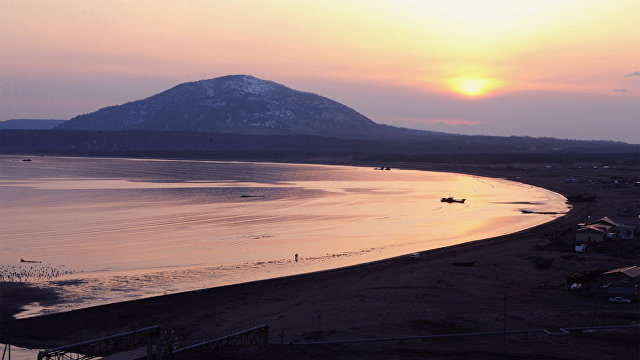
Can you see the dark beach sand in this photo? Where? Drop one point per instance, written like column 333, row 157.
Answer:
column 397, row 297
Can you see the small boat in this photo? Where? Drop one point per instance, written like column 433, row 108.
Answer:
column 452, row 200
column 540, row 212
column 29, row 261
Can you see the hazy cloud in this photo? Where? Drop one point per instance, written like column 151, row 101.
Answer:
column 635, row 73
column 429, row 123
column 620, row 90
column 564, row 115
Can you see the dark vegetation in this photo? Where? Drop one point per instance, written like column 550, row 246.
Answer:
column 442, row 148
column 30, row 124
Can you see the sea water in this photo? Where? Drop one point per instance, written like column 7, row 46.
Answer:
column 103, row 230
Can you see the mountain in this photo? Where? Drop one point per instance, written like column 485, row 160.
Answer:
column 30, row 124
column 240, row 104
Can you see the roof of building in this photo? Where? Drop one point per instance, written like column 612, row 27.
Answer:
column 591, row 229
column 630, row 271
column 605, row 221
column 626, row 220
column 615, row 220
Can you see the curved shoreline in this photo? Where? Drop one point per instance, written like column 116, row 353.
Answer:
column 448, row 250
column 48, row 294
column 297, row 302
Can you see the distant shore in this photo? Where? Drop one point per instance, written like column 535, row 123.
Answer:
column 393, row 297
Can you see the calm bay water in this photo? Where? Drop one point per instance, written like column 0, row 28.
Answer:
column 104, row 230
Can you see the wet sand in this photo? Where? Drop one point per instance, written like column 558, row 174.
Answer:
column 401, row 296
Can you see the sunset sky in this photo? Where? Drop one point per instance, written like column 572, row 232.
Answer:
column 567, row 69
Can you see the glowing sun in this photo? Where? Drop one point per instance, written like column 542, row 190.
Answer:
column 472, row 86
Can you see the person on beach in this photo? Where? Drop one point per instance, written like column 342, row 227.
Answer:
column 296, row 257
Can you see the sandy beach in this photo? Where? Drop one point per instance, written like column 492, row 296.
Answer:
column 397, row 297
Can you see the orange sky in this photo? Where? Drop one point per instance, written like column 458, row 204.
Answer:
column 462, row 50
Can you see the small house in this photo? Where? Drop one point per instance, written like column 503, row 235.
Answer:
column 605, row 232
column 629, row 274
column 590, row 234
column 621, row 282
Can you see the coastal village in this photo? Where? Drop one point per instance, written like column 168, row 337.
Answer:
column 613, row 234
column 617, row 235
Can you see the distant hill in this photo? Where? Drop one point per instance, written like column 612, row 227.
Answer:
column 30, row 124
column 239, row 104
